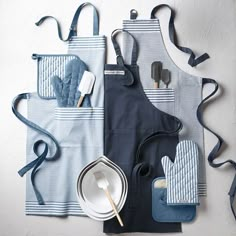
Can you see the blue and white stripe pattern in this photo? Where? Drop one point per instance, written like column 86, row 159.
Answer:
column 49, row 66
column 182, row 175
column 160, row 95
column 141, row 25
column 54, row 208
column 94, row 42
column 92, row 50
column 82, row 113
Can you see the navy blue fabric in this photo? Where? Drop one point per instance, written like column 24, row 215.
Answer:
column 41, row 157
column 161, row 212
column 137, row 135
column 73, row 27
column 193, row 61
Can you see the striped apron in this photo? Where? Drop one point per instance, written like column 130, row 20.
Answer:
column 75, row 135
column 184, row 92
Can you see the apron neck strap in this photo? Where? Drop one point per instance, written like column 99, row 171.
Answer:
column 193, row 61
column 76, row 18
column 119, row 57
column 73, row 27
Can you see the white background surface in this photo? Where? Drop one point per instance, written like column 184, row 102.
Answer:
column 208, row 25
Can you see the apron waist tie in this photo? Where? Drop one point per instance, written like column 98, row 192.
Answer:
column 144, row 169
column 216, row 149
column 41, row 157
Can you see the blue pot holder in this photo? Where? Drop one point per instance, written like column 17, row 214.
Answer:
column 161, row 212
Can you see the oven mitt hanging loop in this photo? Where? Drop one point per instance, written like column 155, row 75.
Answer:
column 182, row 174
column 66, row 90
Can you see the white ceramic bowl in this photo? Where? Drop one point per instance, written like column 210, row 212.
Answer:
column 92, row 199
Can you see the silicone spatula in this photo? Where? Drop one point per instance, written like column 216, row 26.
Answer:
column 165, row 77
column 156, row 73
column 85, row 86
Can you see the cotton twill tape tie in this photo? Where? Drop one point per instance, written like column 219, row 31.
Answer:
column 193, row 61
column 41, row 157
column 216, row 149
column 73, row 27
column 144, row 169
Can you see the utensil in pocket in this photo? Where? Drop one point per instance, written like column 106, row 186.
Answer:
column 86, row 85
column 156, row 73
column 165, row 77
column 103, row 183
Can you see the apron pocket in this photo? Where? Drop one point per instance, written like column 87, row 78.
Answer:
column 78, row 127
column 161, row 212
column 162, row 98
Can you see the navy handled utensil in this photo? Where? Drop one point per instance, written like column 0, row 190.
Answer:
column 156, row 73
column 165, row 77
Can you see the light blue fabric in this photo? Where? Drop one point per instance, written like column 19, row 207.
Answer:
column 182, row 175
column 66, row 90
column 49, row 65
column 161, row 212
column 92, row 51
column 79, row 133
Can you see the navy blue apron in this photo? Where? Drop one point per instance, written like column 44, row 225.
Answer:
column 137, row 136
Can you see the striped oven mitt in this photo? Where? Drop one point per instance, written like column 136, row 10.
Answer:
column 182, row 175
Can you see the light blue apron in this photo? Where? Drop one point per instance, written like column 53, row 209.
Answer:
column 72, row 136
